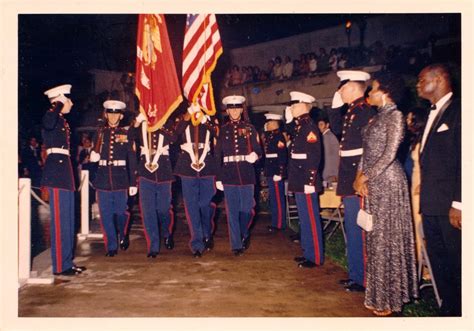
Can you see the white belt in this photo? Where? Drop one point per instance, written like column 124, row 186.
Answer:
column 235, row 158
column 299, row 156
column 271, row 155
column 116, row 163
column 56, row 150
column 351, row 152
column 200, row 145
column 165, row 152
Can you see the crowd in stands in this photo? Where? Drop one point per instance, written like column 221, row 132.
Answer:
column 394, row 58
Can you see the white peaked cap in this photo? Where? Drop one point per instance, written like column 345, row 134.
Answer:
column 353, row 75
column 114, row 104
column 272, row 116
column 301, row 97
column 233, row 100
column 58, row 90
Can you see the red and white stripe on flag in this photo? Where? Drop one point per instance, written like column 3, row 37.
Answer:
column 201, row 50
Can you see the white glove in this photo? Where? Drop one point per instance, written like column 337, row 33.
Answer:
column 308, row 189
column 276, row 178
column 251, row 158
column 132, row 190
column 219, row 185
column 337, row 101
column 193, row 108
column 95, row 157
column 288, row 115
column 140, row 118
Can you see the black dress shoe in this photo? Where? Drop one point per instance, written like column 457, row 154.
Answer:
column 271, row 228
column 238, row 252
column 354, row 287
column 307, row 264
column 124, row 243
column 209, row 244
column 111, row 253
column 246, row 243
column 152, row 254
column 197, row 254
column 169, row 243
column 68, row 272
column 299, row 259
column 346, row 282
column 79, row 268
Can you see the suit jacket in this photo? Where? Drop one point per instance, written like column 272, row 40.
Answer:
column 440, row 162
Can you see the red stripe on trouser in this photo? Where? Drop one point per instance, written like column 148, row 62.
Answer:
column 228, row 221
column 170, row 228
column 190, row 225
column 277, row 193
column 125, row 231
column 213, row 224
column 57, row 234
column 313, row 229
column 143, row 220
column 101, row 219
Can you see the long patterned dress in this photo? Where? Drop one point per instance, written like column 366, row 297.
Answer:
column 391, row 260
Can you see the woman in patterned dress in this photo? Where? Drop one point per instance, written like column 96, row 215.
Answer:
column 391, row 261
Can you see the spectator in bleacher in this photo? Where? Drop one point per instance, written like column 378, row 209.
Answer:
column 262, row 75
column 296, row 68
column 244, row 75
column 312, row 63
column 287, row 68
column 228, row 78
column 333, row 59
column 304, row 67
column 278, row 69
column 255, row 74
column 236, row 76
column 342, row 63
column 323, row 60
column 269, row 71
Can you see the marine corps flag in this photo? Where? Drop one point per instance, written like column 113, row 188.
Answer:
column 157, row 85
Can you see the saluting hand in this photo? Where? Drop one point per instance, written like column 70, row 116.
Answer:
column 455, row 218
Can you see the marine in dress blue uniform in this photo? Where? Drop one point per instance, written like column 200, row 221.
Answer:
column 238, row 146
column 304, row 178
column 351, row 91
column 276, row 156
column 196, row 166
column 115, row 178
column 58, row 178
column 155, row 177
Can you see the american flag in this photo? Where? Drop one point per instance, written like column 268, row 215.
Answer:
column 202, row 47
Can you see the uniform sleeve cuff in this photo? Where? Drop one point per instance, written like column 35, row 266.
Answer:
column 457, row 205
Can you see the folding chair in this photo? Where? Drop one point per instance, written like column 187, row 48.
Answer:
column 292, row 218
column 332, row 212
column 424, row 261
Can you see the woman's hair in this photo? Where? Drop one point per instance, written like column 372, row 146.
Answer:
column 393, row 84
column 418, row 121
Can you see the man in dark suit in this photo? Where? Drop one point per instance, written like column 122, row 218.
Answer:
column 440, row 196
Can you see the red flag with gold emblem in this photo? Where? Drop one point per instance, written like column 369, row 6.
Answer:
column 157, row 86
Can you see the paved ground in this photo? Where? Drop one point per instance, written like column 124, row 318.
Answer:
column 264, row 282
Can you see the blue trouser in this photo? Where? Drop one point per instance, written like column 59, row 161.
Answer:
column 61, row 203
column 239, row 202
column 156, row 210
column 355, row 240
column 311, row 231
column 197, row 196
column 277, row 202
column 113, row 204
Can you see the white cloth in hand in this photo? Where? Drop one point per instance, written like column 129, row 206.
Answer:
column 276, row 178
column 132, row 190
column 252, row 157
column 308, row 189
column 337, row 101
column 288, row 115
column 219, row 185
column 95, row 157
